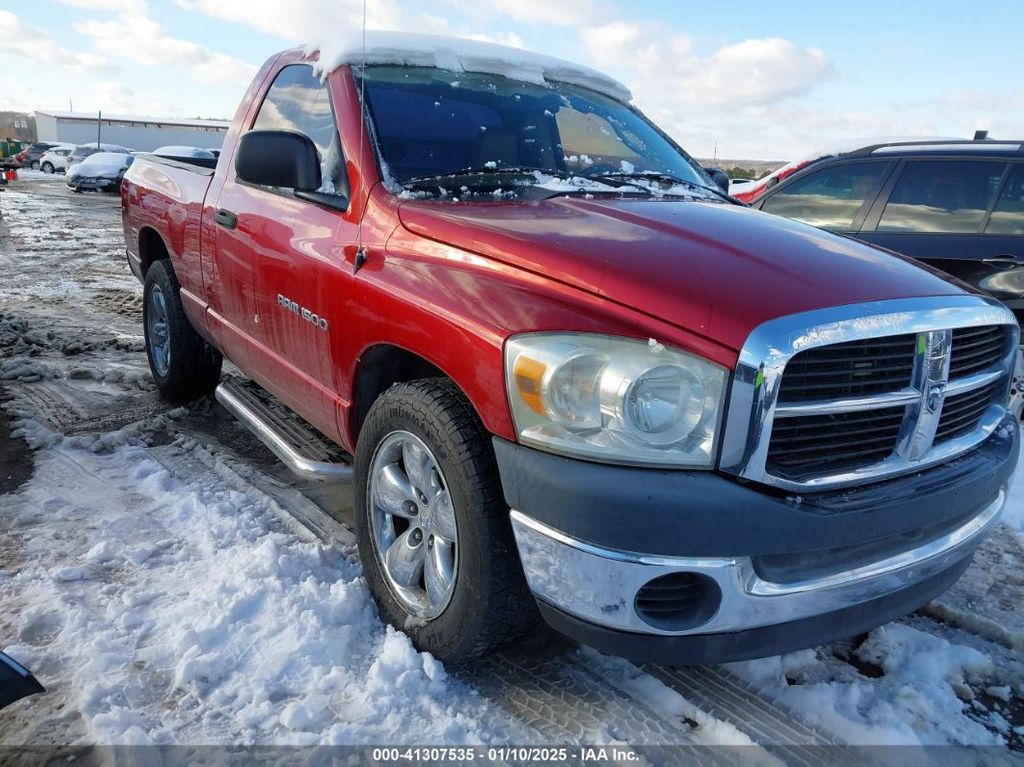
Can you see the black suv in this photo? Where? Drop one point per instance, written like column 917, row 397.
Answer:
column 956, row 205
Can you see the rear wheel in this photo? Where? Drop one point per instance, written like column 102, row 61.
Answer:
column 183, row 364
column 434, row 532
column 34, row 165
column 47, row 167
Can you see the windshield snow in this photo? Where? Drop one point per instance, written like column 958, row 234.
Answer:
column 462, row 129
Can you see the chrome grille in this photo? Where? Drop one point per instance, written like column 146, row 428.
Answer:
column 832, row 442
column 921, row 366
column 856, row 393
column 847, row 370
column 976, row 349
column 961, row 412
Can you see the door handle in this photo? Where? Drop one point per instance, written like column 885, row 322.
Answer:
column 225, row 218
column 1006, row 261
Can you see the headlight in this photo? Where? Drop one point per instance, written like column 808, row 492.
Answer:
column 614, row 399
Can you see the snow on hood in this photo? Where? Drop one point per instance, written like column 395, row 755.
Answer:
column 459, row 55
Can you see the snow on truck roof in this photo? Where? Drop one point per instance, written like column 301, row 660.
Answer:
column 461, row 55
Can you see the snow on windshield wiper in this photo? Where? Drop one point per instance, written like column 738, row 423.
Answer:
column 657, row 176
column 517, row 181
column 469, row 173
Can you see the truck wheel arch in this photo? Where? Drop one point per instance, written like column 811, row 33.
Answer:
column 380, row 367
column 152, row 248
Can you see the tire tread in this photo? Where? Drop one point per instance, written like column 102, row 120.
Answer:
column 510, row 611
column 195, row 364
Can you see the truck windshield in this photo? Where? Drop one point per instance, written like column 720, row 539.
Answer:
column 435, row 127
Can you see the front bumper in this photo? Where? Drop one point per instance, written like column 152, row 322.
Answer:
column 774, row 573
column 94, row 184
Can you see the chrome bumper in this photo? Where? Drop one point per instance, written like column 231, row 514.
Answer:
column 600, row 585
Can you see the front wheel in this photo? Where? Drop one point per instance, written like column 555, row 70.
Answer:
column 34, row 165
column 47, row 167
column 183, row 364
column 433, row 529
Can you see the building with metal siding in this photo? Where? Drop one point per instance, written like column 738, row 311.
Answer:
column 143, row 134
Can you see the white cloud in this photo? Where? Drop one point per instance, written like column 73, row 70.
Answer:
column 510, row 39
column 665, row 66
column 118, row 98
column 757, row 72
column 138, row 6
column 303, row 20
column 37, row 46
column 558, row 12
column 139, row 38
column 702, row 99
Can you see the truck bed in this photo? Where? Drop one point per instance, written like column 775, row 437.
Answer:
column 203, row 165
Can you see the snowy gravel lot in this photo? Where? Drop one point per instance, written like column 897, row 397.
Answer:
column 170, row 583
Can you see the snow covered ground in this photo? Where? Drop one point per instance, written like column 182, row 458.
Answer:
column 170, row 583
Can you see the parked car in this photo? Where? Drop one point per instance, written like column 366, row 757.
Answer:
column 576, row 378
column 958, row 206
column 82, row 151
column 748, row 192
column 100, row 172
column 30, row 155
column 55, row 159
column 753, row 191
column 737, row 184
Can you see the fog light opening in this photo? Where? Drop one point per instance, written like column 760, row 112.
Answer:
column 678, row 601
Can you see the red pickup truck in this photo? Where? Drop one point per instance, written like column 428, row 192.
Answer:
column 575, row 380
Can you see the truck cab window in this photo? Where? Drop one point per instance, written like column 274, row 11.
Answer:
column 298, row 101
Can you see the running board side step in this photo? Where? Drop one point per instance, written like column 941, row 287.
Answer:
column 304, row 451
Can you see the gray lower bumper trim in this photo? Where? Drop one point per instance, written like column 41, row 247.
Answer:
column 600, row 585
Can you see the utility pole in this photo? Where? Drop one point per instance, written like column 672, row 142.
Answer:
column 99, row 118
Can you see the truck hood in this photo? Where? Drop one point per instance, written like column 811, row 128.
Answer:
column 715, row 269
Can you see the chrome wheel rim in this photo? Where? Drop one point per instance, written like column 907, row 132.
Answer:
column 158, row 331
column 415, row 536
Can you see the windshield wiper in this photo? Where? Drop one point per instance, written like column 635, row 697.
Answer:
column 488, row 171
column 531, row 181
column 665, row 178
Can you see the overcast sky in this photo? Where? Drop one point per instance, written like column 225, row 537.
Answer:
column 760, row 80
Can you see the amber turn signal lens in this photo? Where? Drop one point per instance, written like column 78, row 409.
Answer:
column 528, row 374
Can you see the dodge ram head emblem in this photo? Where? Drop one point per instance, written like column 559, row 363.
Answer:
column 936, row 395
column 301, row 311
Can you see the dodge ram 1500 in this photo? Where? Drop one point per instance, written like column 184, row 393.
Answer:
column 575, row 380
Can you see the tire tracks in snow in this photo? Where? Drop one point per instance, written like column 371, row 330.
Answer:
column 562, row 695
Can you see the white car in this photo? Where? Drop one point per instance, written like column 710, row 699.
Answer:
column 55, row 158
column 82, row 151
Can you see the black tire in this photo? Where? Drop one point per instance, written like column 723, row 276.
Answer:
column 193, row 368
column 47, row 167
column 490, row 604
column 34, row 165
